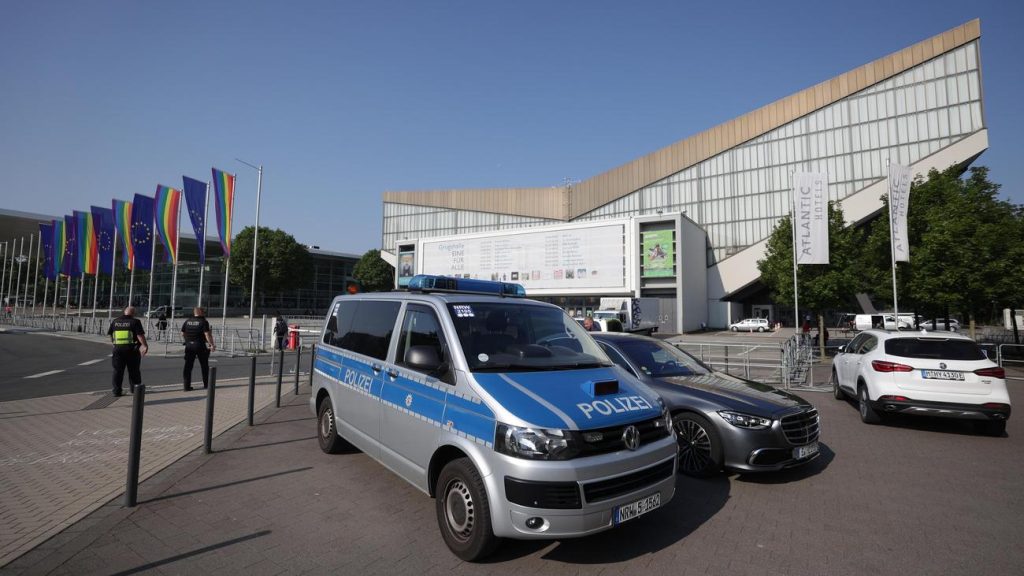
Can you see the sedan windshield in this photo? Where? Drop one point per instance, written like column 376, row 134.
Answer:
column 499, row 336
column 660, row 360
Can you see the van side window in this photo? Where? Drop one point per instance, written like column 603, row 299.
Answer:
column 339, row 323
column 371, row 328
column 420, row 328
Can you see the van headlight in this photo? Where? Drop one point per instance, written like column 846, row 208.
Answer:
column 740, row 420
column 535, row 443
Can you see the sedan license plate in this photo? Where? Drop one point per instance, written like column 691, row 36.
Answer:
column 804, row 452
column 638, row 508
column 942, row 375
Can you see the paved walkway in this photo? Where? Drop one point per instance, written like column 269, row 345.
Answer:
column 62, row 457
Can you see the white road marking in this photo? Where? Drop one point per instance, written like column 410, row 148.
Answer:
column 92, row 362
column 44, row 374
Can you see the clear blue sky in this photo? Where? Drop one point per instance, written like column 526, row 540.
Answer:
column 341, row 101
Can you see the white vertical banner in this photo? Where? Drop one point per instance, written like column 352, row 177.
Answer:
column 810, row 193
column 899, row 201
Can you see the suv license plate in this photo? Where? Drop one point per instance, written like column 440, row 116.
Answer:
column 802, row 452
column 942, row 375
column 638, row 508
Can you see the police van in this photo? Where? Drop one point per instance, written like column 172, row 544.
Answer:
column 503, row 409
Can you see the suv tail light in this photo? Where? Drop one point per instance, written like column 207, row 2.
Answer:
column 994, row 372
column 883, row 366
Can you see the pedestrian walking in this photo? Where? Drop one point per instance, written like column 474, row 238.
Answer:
column 129, row 340
column 196, row 333
column 280, row 330
column 161, row 325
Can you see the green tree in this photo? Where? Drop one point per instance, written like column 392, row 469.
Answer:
column 374, row 273
column 282, row 264
column 822, row 286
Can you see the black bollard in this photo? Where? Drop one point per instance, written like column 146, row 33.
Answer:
column 131, row 490
column 298, row 363
column 280, row 374
column 252, row 387
column 312, row 363
column 211, row 394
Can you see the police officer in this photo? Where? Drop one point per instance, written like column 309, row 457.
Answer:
column 196, row 333
column 129, row 339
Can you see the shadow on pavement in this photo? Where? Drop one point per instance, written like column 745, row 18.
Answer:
column 175, row 400
column 695, row 502
column 268, row 444
column 196, row 552
column 226, row 484
column 812, row 468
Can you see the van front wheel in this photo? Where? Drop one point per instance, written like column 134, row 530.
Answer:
column 463, row 513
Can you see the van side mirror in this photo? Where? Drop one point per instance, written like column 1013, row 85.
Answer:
column 423, row 358
column 842, row 348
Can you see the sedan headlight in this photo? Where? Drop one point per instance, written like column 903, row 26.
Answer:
column 535, row 443
column 740, row 420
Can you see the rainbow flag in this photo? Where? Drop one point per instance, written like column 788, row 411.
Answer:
column 224, row 201
column 60, row 241
column 168, row 203
column 123, row 222
column 88, row 250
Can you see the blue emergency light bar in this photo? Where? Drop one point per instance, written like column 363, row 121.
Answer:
column 429, row 283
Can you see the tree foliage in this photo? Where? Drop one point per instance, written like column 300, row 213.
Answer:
column 282, row 264
column 375, row 274
column 822, row 286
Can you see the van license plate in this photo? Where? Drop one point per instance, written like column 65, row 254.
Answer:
column 638, row 508
column 802, row 452
column 942, row 375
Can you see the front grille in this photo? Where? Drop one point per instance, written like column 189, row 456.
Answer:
column 801, row 428
column 605, row 440
column 552, row 495
column 614, row 487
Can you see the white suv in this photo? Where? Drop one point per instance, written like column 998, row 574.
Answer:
column 922, row 373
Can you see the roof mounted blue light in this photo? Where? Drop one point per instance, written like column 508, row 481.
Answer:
column 430, row 283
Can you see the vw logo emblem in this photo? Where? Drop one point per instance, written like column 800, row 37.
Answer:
column 408, row 400
column 631, row 437
column 942, row 365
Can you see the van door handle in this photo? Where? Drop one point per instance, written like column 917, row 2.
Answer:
column 393, row 373
column 376, row 369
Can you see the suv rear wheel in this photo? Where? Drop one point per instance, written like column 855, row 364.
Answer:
column 837, row 392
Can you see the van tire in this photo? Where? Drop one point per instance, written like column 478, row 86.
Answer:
column 327, row 429
column 463, row 513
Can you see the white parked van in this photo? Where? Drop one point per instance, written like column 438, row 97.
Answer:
column 503, row 409
column 883, row 322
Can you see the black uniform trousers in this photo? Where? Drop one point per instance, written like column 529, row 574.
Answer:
column 193, row 350
column 130, row 358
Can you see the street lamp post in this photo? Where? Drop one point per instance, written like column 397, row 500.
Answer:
column 3, row 274
column 255, row 237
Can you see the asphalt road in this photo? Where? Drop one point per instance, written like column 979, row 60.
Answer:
column 38, row 363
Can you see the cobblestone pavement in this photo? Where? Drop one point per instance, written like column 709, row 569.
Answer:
column 909, row 497
column 61, row 457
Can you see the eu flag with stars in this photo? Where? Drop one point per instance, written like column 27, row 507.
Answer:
column 143, row 214
column 195, row 202
column 46, row 237
column 70, row 265
column 103, row 220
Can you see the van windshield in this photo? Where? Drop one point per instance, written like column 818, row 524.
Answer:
column 500, row 337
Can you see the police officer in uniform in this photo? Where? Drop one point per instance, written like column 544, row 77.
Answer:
column 196, row 333
column 129, row 339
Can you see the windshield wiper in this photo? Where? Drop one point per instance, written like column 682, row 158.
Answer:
column 504, row 367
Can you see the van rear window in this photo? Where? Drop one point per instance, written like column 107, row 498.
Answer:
column 934, row 348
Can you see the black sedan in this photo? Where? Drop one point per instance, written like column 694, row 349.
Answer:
column 721, row 421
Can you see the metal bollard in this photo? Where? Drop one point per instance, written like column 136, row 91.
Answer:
column 312, row 363
column 252, row 387
column 298, row 364
column 280, row 374
column 211, row 394
column 131, row 490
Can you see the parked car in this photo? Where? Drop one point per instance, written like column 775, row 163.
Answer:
column 945, row 375
column 721, row 421
column 750, row 325
column 931, row 324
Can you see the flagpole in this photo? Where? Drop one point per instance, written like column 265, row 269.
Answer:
column 796, row 289
column 255, row 237
column 81, row 292
column 3, row 273
column 56, row 297
column 224, row 302
column 892, row 252
column 202, row 265
column 131, row 282
column 95, row 292
column 17, row 284
column 28, row 270
column 174, row 275
column 152, row 270
column 46, row 293
column 35, row 284
column 113, row 269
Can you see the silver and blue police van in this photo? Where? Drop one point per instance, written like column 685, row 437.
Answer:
column 501, row 408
